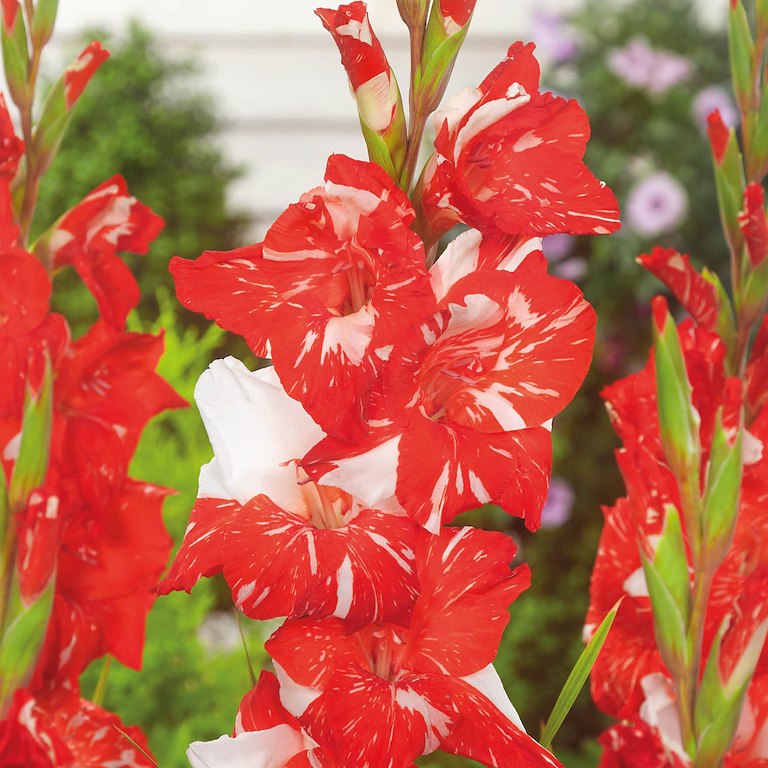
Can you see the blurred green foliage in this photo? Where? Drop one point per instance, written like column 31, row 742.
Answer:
column 145, row 117
column 165, row 150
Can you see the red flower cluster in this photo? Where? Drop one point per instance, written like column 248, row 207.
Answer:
column 400, row 396
column 90, row 532
column 630, row 680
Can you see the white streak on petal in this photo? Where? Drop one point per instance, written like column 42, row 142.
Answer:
column 488, row 683
column 348, row 336
column 344, row 588
column 635, row 584
column 487, row 114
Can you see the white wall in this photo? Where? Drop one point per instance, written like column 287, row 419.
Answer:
column 278, row 80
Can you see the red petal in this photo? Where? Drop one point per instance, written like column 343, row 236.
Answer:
column 466, row 589
column 485, row 734
column 110, row 377
column 361, row 52
column 444, row 470
column 719, row 134
column 227, row 287
column 88, row 237
column 78, row 75
column 105, row 573
column 279, row 564
column 261, row 707
column 25, row 290
column 635, row 746
column 94, row 736
column 309, row 650
column 753, row 223
column 692, row 290
column 201, row 552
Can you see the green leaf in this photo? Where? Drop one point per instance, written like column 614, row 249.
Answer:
column 576, row 679
column 31, row 464
column 668, row 621
column 22, row 640
column 721, row 498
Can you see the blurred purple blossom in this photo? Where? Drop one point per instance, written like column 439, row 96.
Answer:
column 710, row 98
column 554, row 36
column 571, row 269
column 653, row 70
column 656, row 204
column 557, row 247
column 557, row 508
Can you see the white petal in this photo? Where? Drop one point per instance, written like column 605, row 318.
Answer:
column 370, row 477
column 254, row 428
column 488, row 682
column 659, row 710
column 272, row 748
column 295, row 698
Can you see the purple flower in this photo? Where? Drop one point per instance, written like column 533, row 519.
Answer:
column 557, row 247
column 656, row 204
column 557, row 508
column 554, row 37
column 571, row 269
column 710, row 98
column 644, row 67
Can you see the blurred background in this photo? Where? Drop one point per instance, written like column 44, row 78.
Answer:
column 219, row 114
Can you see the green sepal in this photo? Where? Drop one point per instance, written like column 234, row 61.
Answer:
column 44, row 21
column 726, row 328
column 386, row 147
column 23, row 638
column 436, row 70
column 754, row 293
column 31, row 465
column 16, row 59
column 741, row 48
column 719, row 703
column 668, row 621
column 759, row 141
column 678, row 419
column 53, row 122
column 378, row 151
column 576, row 679
column 729, row 182
column 721, row 498
column 671, row 562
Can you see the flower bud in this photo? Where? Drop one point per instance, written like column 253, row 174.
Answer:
column 373, row 83
column 678, row 419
